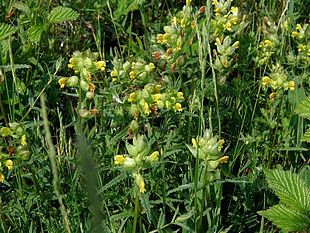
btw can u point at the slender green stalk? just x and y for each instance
(136, 214)
(52, 157)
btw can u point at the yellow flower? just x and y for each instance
(1, 178)
(188, 2)
(294, 34)
(160, 38)
(133, 74)
(71, 62)
(234, 10)
(267, 43)
(153, 157)
(266, 80)
(174, 20)
(180, 95)
(227, 26)
(62, 82)
(5, 131)
(291, 85)
(183, 23)
(132, 97)
(23, 141)
(9, 164)
(140, 182)
(224, 159)
(157, 97)
(101, 65)
(178, 107)
(119, 159)
(298, 27)
(146, 108)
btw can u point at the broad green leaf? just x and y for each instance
(286, 218)
(303, 109)
(290, 188)
(306, 136)
(35, 32)
(6, 30)
(60, 14)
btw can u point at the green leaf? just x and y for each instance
(306, 136)
(113, 182)
(286, 218)
(125, 6)
(145, 203)
(35, 32)
(22, 7)
(60, 14)
(290, 188)
(6, 30)
(303, 109)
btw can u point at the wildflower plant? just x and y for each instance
(151, 99)
(208, 150)
(13, 148)
(278, 81)
(86, 67)
(137, 159)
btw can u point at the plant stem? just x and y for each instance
(137, 207)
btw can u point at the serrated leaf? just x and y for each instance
(306, 136)
(6, 30)
(60, 14)
(125, 6)
(145, 203)
(35, 32)
(303, 109)
(113, 182)
(290, 188)
(286, 218)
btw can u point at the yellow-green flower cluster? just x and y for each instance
(85, 64)
(138, 158)
(301, 35)
(180, 31)
(208, 149)
(277, 80)
(227, 19)
(304, 53)
(267, 48)
(224, 52)
(300, 31)
(134, 71)
(150, 99)
(17, 149)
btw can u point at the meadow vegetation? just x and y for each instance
(154, 116)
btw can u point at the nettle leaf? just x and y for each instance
(60, 14)
(125, 6)
(35, 32)
(286, 218)
(290, 188)
(6, 30)
(303, 109)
